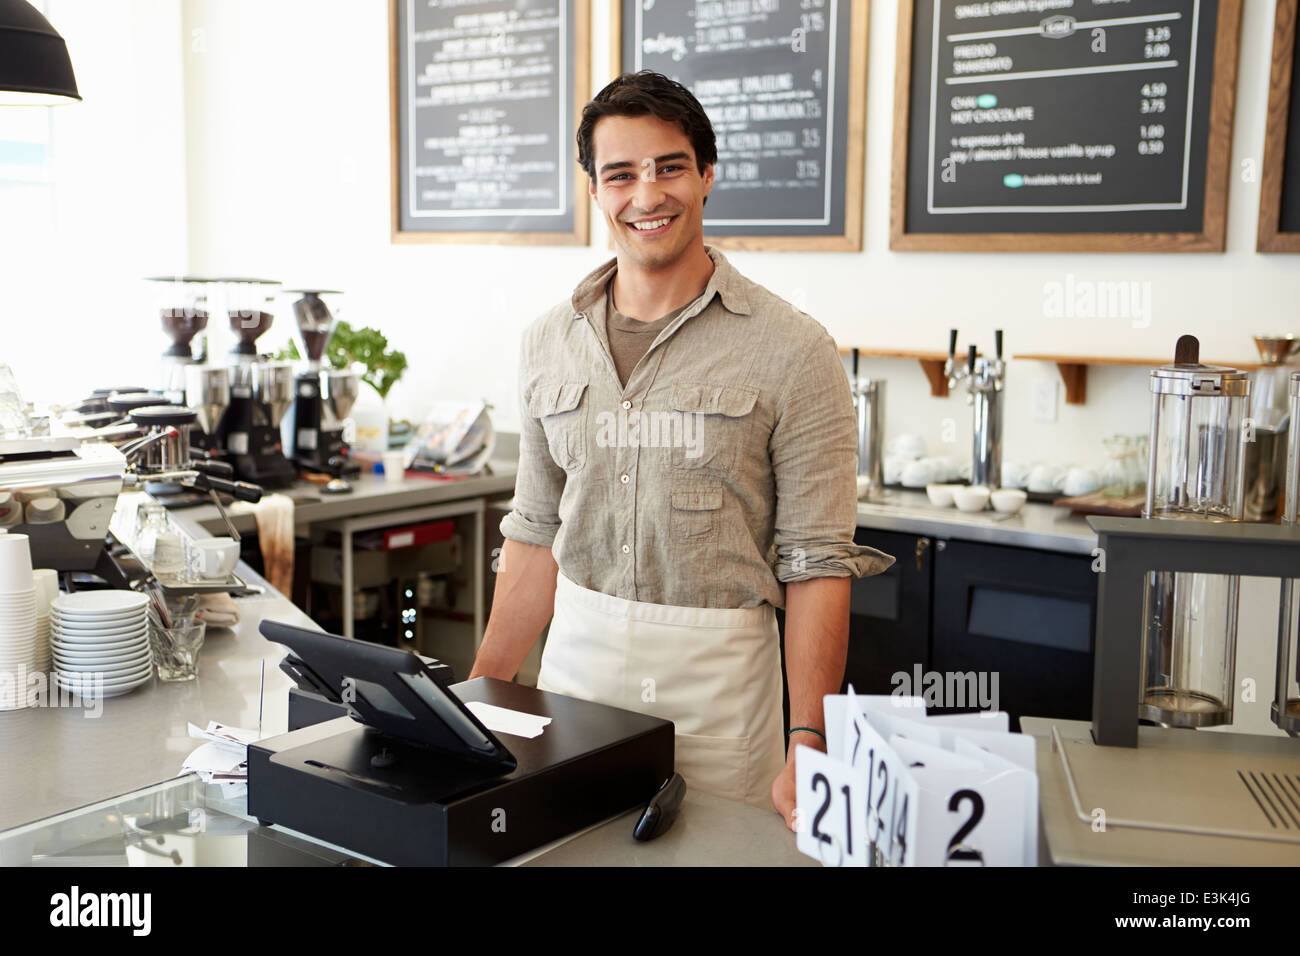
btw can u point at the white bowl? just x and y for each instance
(970, 499)
(1008, 501)
(940, 495)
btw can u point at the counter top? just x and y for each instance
(370, 494)
(1041, 526)
(60, 758)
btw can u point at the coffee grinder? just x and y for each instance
(182, 303)
(314, 428)
(260, 390)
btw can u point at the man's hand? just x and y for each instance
(783, 787)
(783, 795)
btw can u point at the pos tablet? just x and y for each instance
(392, 691)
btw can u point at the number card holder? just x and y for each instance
(830, 812)
(889, 792)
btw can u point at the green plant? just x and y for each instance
(287, 353)
(367, 347)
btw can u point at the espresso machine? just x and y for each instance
(260, 390)
(314, 427)
(183, 309)
(984, 380)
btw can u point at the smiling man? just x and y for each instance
(687, 465)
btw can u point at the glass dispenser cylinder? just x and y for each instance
(1286, 699)
(1195, 473)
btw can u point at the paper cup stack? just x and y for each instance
(46, 582)
(100, 642)
(20, 653)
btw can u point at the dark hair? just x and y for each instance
(648, 94)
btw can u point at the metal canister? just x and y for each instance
(1195, 473)
(869, 402)
(1286, 697)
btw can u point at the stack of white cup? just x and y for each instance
(20, 649)
(46, 581)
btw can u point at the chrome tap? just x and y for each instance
(984, 380)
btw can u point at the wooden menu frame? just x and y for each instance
(577, 236)
(1213, 234)
(1270, 239)
(855, 148)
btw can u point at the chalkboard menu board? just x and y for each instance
(485, 97)
(1064, 125)
(784, 84)
(1279, 194)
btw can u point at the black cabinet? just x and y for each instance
(889, 613)
(1020, 617)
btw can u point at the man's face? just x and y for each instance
(645, 174)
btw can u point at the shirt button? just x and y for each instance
(624, 478)
(626, 549)
(627, 404)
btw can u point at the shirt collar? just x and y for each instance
(726, 282)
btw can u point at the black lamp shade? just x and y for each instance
(34, 64)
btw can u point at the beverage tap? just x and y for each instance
(985, 379)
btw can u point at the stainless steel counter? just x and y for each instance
(1041, 526)
(370, 494)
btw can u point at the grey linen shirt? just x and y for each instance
(724, 469)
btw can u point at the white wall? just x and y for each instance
(287, 126)
(288, 164)
(73, 310)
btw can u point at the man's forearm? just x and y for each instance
(522, 603)
(816, 646)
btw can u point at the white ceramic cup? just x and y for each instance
(1081, 481)
(216, 557)
(1045, 479)
(168, 553)
(394, 466)
(15, 564)
(917, 474)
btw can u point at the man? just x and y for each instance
(686, 465)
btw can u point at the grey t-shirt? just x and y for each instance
(629, 338)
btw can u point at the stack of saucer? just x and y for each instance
(19, 650)
(100, 642)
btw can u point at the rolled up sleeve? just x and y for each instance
(814, 460)
(539, 483)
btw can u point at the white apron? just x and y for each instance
(714, 672)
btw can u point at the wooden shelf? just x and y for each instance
(931, 363)
(1074, 369)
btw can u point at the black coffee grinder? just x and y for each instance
(314, 428)
(183, 307)
(260, 390)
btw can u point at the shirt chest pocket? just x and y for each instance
(562, 412)
(716, 423)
